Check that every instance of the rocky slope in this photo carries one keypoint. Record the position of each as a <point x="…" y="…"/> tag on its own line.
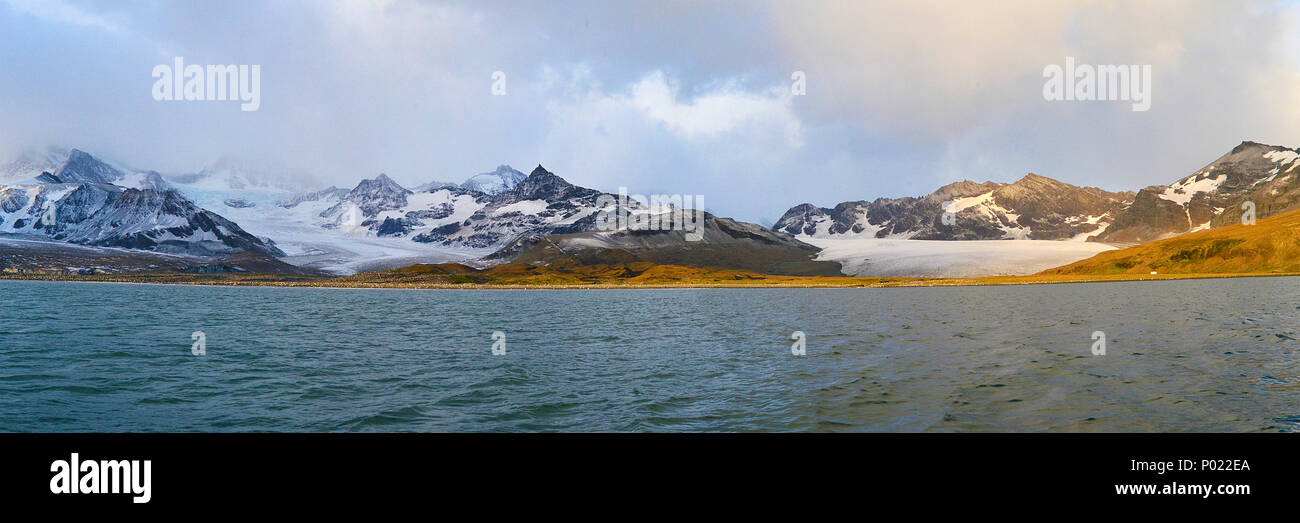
<point x="723" y="242"/>
<point x="1040" y="208"/>
<point x="1034" y="207"/>
<point x="1266" y="175"/>
<point x="543" y="219"/>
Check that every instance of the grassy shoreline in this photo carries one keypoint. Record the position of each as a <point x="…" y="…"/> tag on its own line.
<point x="762" y="282"/>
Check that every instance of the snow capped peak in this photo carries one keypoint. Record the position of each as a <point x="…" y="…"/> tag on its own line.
<point x="503" y="179"/>
<point x="379" y="184"/>
<point x="544" y="185"/>
<point x="377" y="194"/>
<point x="81" y="167"/>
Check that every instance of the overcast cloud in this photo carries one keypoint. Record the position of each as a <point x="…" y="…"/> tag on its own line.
<point x="668" y="97"/>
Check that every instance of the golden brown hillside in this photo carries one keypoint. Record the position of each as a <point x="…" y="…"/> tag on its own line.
<point x="636" y="273"/>
<point x="1271" y="246"/>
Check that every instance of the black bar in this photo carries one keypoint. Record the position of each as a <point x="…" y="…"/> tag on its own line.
<point x="288" y="470"/>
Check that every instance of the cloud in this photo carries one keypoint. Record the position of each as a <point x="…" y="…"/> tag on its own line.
<point x="677" y="97"/>
<point x="717" y="112"/>
<point x="939" y="69"/>
<point x="964" y="80"/>
<point x="651" y="137"/>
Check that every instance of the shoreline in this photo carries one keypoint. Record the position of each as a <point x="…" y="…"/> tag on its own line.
<point x="778" y="282"/>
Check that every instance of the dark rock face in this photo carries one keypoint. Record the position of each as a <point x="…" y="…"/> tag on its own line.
<point x="392" y="227"/>
<point x="1034" y="207"/>
<point x="724" y="243"/>
<point x="84" y="168"/>
<point x="544" y="185"/>
<point x="803" y="219"/>
<point x="376" y="195"/>
<point x="239" y="203"/>
<point x="12" y="199"/>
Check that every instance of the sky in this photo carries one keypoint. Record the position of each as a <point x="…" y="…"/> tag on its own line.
<point x="661" y="97"/>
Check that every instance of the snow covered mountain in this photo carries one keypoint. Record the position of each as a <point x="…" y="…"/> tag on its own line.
<point x="72" y="197"/>
<point x="897" y="237"/>
<point x="56" y="165"/>
<point x="911" y="237"/>
<point x="82" y="202"/>
<point x="496" y="182"/>
<point x="1034" y="207"/>
<point x="380" y="224"/>
<point x="1266" y="175"/>
<point x="456" y="217"/>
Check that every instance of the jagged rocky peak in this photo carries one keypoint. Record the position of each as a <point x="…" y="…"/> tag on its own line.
<point x="545" y="185"/>
<point x="81" y="167"/>
<point x="378" y="194"/>
<point x="801" y="219"/>
<point x="381" y="183"/>
<point x="1248" y="146"/>
<point x="962" y="189"/>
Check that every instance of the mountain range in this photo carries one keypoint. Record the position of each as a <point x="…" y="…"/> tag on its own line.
<point x="1040" y="208"/>
<point x="504" y="216"/>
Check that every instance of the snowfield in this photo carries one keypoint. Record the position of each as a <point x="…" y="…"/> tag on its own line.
<point x="950" y="259"/>
<point x="342" y="249"/>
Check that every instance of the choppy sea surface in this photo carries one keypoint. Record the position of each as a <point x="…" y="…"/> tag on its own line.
<point x="1192" y="355"/>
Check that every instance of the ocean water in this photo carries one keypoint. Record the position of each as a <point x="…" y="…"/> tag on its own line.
<point x="1193" y="355"/>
